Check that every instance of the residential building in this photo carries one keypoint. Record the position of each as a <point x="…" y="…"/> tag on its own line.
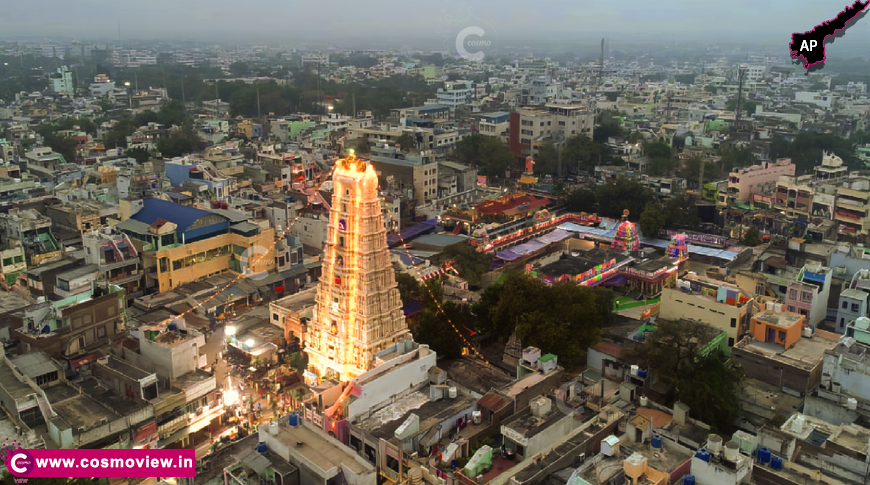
<point x="12" y="261"/>
<point x="744" y="182"/>
<point x="853" y="302"/>
<point x="782" y="352"/>
<point x="852" y="211"/>
<point x="61" y="82"/>
<point x="116" y="261"/>
<point x="319" y="459"/>
<point x="33" y="231"/>
<point x="180" y="244"/>
<point x="808" y="292"/>
<point x="73" y="326"/>
<point x="415" y="176"/>
<point x="454" y="94"/>
<point x="358" y="310"/>
<point x="721" y="305"/>
<point x="494" y="124"/>
<point x="528" y="126"/>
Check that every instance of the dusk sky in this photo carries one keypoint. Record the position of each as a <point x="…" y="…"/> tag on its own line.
<point x="342" y="21"/>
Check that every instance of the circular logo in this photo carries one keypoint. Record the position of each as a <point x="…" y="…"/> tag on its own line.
<point x="253" y="257"/>
<point x="471" y="37"/>
<point x="21" y="463"/>
<point x="566" y="393"/>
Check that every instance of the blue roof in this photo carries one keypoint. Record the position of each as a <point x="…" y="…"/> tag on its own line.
<point x="181" y="215"/>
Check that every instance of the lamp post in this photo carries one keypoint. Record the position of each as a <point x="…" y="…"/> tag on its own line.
<point x="129" y="95"/>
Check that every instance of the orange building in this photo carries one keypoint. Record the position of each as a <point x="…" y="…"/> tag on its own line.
<point x="779" y="327"/>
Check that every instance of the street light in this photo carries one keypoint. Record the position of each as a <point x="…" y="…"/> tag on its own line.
<point x="129" y="95"/>
<point x="230" y="331"/>
<point x="250" y="343"/>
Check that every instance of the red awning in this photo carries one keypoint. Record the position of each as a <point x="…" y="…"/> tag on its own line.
<point x="80" y="361"/>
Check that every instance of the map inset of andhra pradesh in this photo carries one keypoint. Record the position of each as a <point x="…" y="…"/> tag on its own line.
<point x="810" y="45"/>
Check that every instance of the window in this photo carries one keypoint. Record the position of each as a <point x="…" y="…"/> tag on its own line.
<point x="806" y="297"/>
<point x="101" y="331"/>
<point x="792" y="294"/>
<point x="341" y="241"/>
<point x="731" y="341"/>
<point x="733" y="323"/>
<point x="842" y="322"/>
<point x="275" y="317"/>
<point x="791" y="308"/>
<point x="46" y="378"/>
<point x="781" y="336"/>
<point x="854" y="307"/>
<point x="845" y="304"/>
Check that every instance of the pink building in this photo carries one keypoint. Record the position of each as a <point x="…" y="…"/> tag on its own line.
<point x="744" y="182"/>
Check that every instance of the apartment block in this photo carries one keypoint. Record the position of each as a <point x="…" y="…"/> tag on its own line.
<point x="808" y="293"/>
<point x="744" y="182"/>
<point x="528" y="126"/>
<point x="721" y="305"/>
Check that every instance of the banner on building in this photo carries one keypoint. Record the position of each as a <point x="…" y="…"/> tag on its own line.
<point x="481" y="180"/>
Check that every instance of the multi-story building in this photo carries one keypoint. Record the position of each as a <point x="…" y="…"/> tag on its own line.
<point x="721" y="305"/>
<point x="358" y="311"/>
<point x="62" y="81"/>
<point x="494" y="124"/>
<point x="12" y="261"/>
<point x="33" y="231"/>
<point x="73" y="326"/>
<point x="415" y="176"/>
<point x="180" y="244"/>
<point x="454" y="94"/>
<point x="852" y="211"/>
<point x="116" y="260"/>
<point x="528" y="126"/>
<point x="744" y="182"/>
<point x="808" y="293"/>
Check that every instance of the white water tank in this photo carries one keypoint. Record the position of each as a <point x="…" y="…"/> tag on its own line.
<point x="273" y="429"/>
<point x="835" y="387"/>
<point x="644" y="401"/>
<point x="862" y="323"/>
<point x="807" y="332"/>
<point x="770" y="305"/>
<point x="634" y="370"/>
<point x="778" y="308"/>
<point x="732" y="451"/>
<point x="452" y="393"/>
<point x="476" y="417"/>
<point x="714" y="443"/>
<point x="851" y="404"/>
<point x="798" y="423"/>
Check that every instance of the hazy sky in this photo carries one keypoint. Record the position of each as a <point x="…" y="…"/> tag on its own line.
<point x="342" y="21"/>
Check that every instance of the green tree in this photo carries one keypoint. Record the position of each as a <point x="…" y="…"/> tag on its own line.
<point x="564" y="319"/>
<point x="407" y="142"/>
<point x="547" y="160"/>
<point x="140" y="154"/>
<point x="470" y="263"/>
<point x="489" y="154"/>
<point x="582" y="152"/>
<point x="752" y="237"/>
<point x="746" y="105"/>
<point x="685" y="78"/>
<point x="652" y="221"/>
<point x="409" y="287"/>
<point x="681" y="212"/>
<point x="623" y="193"/>
<point x="604" y="131"/>
<point x="697" y="376"/>
<point x="581" y="200"/>
<point x="240" y="68"/>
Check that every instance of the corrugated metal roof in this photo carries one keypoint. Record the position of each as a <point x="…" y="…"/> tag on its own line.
<point x="493" y="401"/>
<point x="183" y="216"/>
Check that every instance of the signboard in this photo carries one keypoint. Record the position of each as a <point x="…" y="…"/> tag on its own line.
<point x="342" y="225"/>
<point x="481" y="180"/>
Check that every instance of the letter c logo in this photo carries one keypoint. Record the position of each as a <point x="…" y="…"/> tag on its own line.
<point x="13" y="463"/>
<point x="460" y="43"/>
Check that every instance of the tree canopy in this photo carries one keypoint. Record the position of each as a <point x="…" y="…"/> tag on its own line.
<point x="470" y="263"/>
<point x="652" y="221"/>
<point x="563" y="319"/>
<point x="703" y="381"/>
<point x="623" y="193"/>
<point x="806" y="150"/>
<point x="487" y="153"/>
